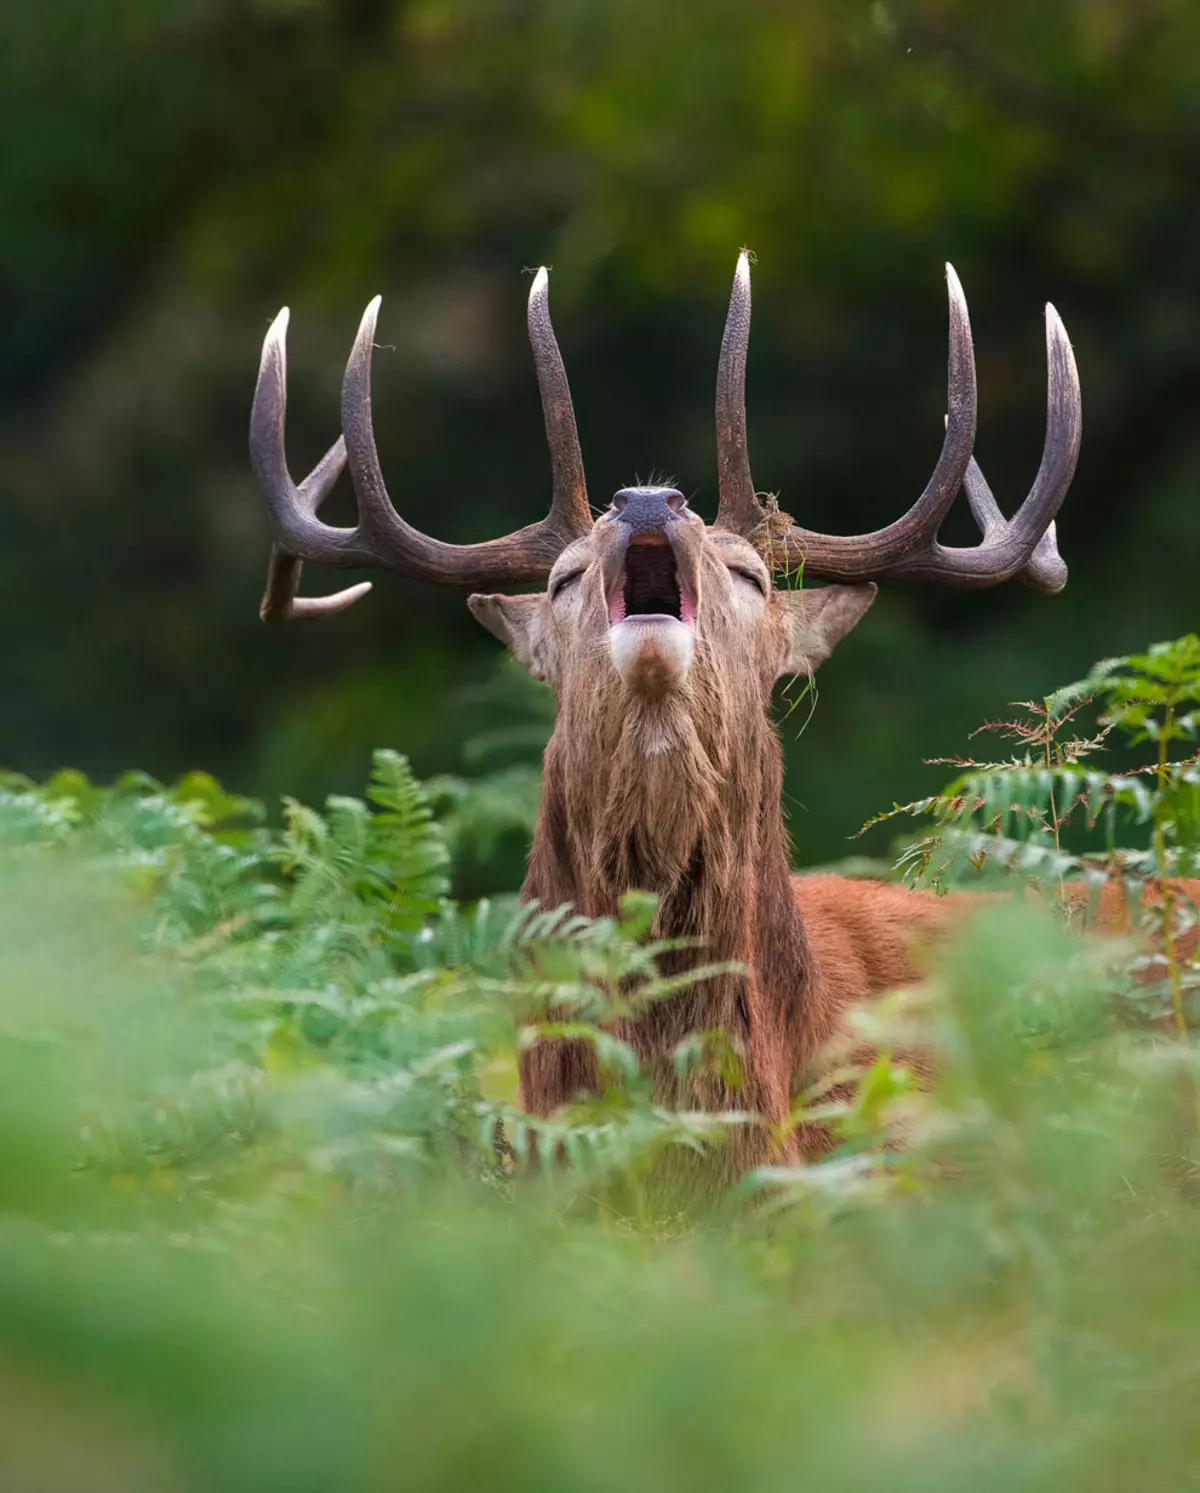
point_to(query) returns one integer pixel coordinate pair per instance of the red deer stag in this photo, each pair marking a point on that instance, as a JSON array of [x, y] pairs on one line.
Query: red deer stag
[[662, 638]]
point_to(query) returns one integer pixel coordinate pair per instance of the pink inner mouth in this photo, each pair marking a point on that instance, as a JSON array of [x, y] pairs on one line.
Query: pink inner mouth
[[651, 586]]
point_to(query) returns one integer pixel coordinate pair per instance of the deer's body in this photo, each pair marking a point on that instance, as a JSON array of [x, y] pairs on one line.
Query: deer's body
[[709, 839], [662, 638], [704, 830]]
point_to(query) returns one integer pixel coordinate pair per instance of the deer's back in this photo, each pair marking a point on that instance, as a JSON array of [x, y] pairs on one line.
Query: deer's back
[[868, 937]]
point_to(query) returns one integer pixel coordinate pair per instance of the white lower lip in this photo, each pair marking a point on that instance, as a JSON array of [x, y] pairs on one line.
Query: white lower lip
[[670, 636]]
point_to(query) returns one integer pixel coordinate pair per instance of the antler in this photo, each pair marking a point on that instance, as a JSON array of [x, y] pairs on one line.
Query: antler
[[381, 538], [908, 549], [280, 602]]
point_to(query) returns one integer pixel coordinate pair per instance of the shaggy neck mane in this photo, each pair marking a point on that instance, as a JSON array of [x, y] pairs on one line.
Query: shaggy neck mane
[[682, 798]]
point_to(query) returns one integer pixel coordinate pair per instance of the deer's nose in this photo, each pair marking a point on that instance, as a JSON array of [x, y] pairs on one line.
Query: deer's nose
[[648, 510]]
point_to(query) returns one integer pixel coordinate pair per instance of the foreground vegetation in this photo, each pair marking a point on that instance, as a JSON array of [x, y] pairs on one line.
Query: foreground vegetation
[[264, 1221]]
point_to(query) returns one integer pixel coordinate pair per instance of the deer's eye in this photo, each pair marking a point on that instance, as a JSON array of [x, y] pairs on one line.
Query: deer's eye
[[562, 582], [755, 579]]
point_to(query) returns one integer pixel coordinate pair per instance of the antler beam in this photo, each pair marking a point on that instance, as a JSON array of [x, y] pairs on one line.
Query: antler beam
[[908, 549]]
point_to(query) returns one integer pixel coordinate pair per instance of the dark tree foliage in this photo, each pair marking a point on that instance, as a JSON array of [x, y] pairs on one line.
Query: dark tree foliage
[[174, 170]]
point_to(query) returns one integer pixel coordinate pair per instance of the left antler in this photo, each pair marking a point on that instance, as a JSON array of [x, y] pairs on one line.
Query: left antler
[[1023, 546], [381, 538]]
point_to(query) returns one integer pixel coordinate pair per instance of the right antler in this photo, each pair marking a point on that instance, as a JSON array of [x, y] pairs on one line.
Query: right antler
[[908, 549], [381, 538]]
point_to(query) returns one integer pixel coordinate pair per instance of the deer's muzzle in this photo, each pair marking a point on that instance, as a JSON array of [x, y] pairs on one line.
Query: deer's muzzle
[[651, 586]]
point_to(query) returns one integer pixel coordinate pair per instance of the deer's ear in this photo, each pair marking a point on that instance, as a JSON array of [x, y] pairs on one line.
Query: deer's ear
[[817, 621], [520, 623]]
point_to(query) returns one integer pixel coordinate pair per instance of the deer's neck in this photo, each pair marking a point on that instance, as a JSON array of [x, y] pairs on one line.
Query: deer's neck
[[701, 826]]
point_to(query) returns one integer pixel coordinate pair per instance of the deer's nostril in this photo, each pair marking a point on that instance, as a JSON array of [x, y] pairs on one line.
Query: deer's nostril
[[648, 510]]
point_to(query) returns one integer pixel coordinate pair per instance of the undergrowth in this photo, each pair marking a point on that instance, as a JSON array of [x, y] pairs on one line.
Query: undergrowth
[[1060, 814], [270, 1217]]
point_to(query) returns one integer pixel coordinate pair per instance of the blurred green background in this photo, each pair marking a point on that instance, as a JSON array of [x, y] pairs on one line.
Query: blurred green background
[[172, 171], [254, 1230]]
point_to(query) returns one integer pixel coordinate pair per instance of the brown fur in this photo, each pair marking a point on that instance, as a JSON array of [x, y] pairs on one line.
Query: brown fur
[[680, 795], [671, 783]]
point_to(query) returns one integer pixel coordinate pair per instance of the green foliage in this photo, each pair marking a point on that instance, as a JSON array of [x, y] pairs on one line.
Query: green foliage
[[327, 951], [269, 1218], [1052, 815], [491, 814], [1026, 813], [260, 1226], [212, 160]]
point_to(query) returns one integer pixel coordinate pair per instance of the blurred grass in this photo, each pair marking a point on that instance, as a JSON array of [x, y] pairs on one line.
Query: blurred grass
[[253, 1235]]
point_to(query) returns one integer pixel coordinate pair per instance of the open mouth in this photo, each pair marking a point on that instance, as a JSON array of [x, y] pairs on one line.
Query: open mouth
[[650, 587]]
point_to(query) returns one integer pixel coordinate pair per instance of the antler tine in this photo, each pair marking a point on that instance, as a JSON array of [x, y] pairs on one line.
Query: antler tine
[[526, 555], [268, 457], [738, 509], [570, 513], [1046, 570], [1025, 546], [889, 551], [377, 518]]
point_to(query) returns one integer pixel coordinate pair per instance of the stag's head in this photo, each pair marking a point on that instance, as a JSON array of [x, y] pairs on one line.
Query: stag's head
[[664, 619]]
